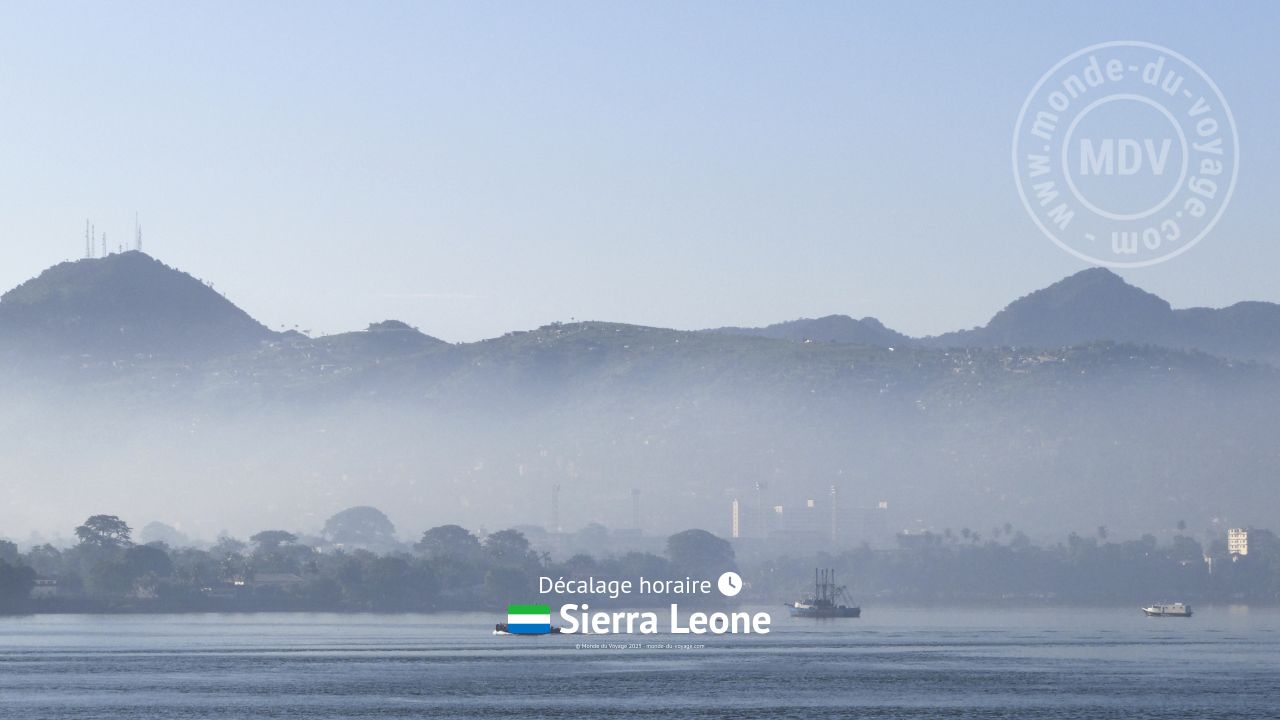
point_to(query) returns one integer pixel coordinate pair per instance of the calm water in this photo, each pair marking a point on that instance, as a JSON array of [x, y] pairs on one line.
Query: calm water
[[892, 663]]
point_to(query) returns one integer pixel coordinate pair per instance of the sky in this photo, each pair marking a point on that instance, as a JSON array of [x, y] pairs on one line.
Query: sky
[[475, 168]]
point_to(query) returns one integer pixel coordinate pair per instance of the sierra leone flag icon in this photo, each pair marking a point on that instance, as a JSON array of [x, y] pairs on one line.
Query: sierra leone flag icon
[[529, 619]]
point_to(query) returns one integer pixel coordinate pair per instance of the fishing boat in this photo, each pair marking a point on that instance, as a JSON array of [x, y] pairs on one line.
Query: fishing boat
[[1168, 610], [827, 601]]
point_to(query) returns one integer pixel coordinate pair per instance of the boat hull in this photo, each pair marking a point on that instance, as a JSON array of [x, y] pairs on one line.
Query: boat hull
[[502, 629], [833, 612]]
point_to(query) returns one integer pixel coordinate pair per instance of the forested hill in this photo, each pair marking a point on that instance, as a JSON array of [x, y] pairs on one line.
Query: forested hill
[[123, 306]]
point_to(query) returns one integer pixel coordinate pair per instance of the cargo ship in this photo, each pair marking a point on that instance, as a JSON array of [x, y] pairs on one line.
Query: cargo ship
[[827, 601]]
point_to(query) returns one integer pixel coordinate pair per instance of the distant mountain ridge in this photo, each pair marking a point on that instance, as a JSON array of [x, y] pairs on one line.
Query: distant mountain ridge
[[129, 304], [123, 380], [1094, 305]]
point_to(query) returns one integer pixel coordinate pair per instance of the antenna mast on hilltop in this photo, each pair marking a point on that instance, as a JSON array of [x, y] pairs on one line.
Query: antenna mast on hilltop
[[88, 240], [137, 233]]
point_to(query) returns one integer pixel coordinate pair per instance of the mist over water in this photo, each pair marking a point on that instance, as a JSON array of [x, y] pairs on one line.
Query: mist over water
[[892, 663]]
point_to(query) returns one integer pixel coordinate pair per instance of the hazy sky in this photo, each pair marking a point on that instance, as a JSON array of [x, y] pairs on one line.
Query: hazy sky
[[475, 168]]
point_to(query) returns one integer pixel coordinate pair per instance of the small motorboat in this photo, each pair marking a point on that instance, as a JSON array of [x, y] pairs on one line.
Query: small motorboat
[[501, 629], [1168, 610]]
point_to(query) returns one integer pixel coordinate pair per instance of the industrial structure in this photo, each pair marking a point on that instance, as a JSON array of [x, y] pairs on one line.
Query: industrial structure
[[95, 246]]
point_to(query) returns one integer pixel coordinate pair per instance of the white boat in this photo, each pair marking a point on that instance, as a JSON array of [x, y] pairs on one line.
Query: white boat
[[1168, 610]]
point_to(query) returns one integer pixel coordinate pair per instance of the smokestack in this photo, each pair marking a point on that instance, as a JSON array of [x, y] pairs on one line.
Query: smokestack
[[834, 528], [555, 508]]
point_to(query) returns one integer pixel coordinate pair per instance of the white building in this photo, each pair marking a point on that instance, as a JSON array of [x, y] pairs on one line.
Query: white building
[[1238, 541]]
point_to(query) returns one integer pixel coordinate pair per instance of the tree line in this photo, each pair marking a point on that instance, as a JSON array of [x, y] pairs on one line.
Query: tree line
[[356, 565]]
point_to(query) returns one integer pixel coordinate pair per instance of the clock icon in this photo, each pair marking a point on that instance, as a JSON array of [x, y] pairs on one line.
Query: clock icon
[[730, 584]]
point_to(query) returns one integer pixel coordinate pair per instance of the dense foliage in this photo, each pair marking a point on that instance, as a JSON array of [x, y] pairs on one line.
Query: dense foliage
[[449, 568]]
